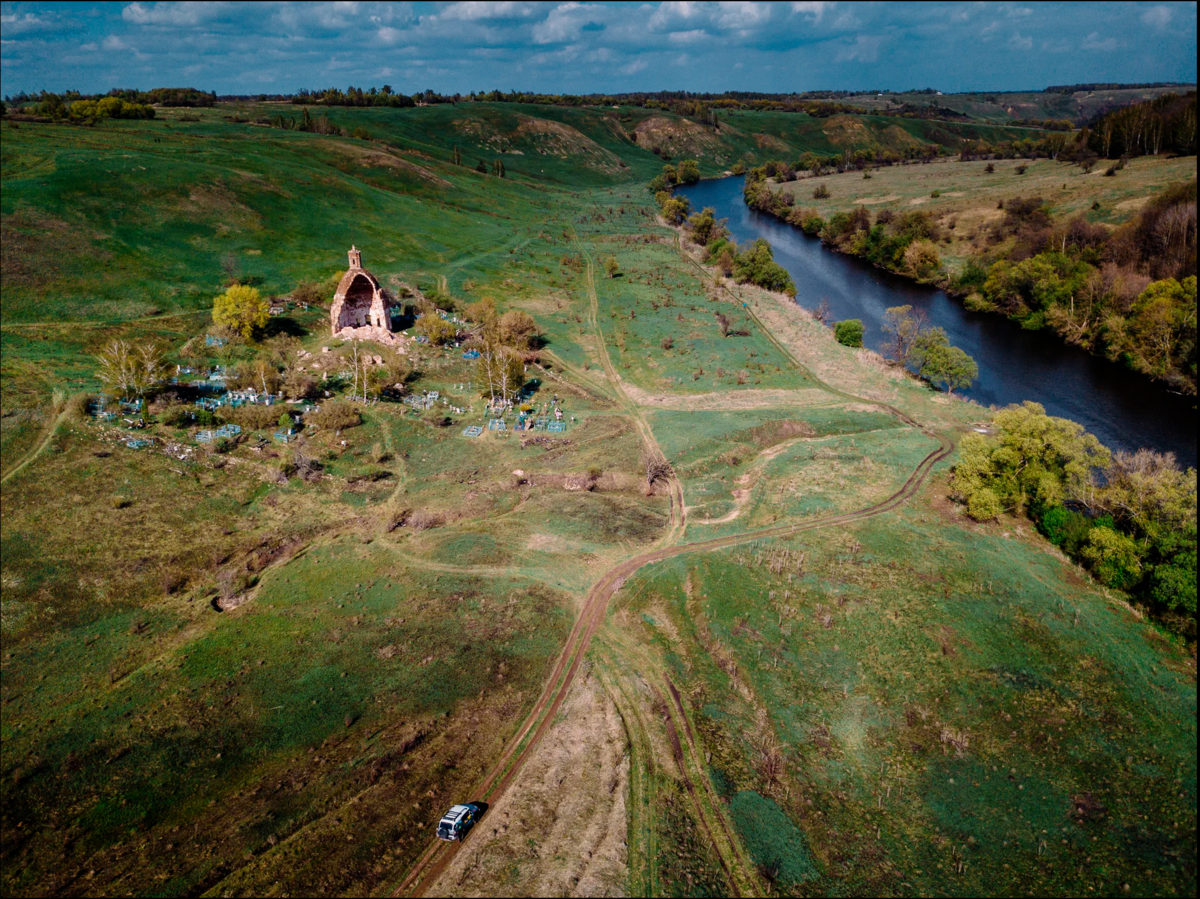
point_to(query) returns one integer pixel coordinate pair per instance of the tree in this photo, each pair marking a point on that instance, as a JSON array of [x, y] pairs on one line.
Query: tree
[[131, 368], [232, 267], [675, 209], [518, 329], [903, 326], [705, 228], [611, 267], [689, 171], [500, 372], [758, 266], [1035, 461], [950, 366], [1115, 559], [436, 329], [482, 312], [242, 309], [722, 323], [921, 259], [849, 332]]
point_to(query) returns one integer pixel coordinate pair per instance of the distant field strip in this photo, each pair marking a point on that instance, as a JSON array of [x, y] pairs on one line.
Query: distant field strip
[[726, 401]]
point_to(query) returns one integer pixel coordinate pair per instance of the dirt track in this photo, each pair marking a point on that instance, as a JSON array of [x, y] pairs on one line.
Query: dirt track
[[433, 861]]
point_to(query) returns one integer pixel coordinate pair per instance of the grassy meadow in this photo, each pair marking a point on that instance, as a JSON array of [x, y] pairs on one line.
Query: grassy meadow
[[968, 197], [220, 677]]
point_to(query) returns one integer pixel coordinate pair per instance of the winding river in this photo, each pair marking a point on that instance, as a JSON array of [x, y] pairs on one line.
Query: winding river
[[1123, 408]]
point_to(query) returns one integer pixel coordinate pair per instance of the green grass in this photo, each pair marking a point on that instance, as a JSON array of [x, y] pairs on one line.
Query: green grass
[[969, 196], [957, 710], [366, 674]]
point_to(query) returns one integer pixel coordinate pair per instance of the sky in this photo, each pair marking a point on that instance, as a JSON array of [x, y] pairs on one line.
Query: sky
[[581, 47]]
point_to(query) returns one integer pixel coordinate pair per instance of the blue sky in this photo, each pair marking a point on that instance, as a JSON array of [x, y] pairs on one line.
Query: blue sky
[[580, 47]]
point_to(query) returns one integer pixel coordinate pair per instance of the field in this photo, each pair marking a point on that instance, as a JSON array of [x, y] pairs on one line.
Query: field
[[968, 196], [790, 665], [1078, 106]]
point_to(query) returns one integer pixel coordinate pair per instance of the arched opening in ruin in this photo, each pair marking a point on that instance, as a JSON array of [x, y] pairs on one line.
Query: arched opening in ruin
[[356, 309]]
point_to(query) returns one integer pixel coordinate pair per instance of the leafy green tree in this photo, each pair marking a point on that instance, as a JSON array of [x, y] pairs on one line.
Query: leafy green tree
[[757, 265], [1034, 463], [689, 171], [241, 308], [949, 366], [705, 227], [1114, 559], [849, 332], [611, 267], [436, 329], [675, 209]]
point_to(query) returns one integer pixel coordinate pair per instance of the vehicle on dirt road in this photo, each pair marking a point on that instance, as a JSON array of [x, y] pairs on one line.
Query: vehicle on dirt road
[[457, 822]]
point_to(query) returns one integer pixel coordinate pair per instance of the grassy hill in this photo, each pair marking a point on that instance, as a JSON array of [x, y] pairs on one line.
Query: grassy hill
[[1000, 107], [241, 671]]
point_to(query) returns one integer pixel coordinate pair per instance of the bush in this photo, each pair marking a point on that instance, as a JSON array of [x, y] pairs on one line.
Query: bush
[[820, 192], [253, 418], [335, 416], [984, 505], [436, 329], [1115, 560], [849, 332]]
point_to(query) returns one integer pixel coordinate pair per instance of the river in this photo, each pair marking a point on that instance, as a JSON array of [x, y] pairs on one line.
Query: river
[[1124, 409]]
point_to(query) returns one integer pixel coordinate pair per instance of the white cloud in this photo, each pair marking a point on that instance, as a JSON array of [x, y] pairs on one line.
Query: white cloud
[[1094, 42], [475, 10], [90, 47], [1157, 17], [25, 23], [1019, 12], [634, 67], [814, 9], [112, 42], [742, 16], [565, 23], [864, 49], [1019, 42], [176, 15], [687, 37]]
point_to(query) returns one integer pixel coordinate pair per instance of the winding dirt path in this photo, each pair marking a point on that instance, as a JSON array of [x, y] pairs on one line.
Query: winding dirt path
[[434, 860]]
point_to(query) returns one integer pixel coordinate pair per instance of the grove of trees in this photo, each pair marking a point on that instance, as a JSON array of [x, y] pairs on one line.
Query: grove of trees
[[1128, 517]]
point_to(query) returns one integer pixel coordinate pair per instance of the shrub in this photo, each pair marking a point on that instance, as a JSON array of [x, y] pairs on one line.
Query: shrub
[[335, 416], [253, 418], [241, 308], [820, 192], [983, 504], [668, 342], [849, 332], [518, 329], [1114, 559], [436, 329], [1022, 169]]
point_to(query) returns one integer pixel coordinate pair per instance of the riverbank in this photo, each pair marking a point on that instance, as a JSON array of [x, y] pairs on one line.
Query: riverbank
[[1124, 409], [1047, 244]]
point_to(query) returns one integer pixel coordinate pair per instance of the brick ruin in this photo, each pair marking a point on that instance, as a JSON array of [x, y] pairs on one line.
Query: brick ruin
[[362, 309]]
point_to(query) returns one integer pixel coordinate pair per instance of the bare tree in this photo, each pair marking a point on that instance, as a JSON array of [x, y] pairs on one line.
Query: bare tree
[[657, 468], [822, 312]]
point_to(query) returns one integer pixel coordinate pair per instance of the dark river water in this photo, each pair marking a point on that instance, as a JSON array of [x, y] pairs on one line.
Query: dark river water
[[1124, 409]]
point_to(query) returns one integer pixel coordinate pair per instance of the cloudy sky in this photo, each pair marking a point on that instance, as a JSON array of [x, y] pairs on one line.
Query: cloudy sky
[[582, 47]]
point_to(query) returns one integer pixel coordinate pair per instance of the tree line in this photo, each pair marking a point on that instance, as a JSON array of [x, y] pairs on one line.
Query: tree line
[[1129, 518], [1166, 124], [1128, 293]]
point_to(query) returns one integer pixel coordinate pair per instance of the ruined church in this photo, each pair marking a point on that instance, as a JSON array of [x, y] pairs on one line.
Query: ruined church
[[362, 309]]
